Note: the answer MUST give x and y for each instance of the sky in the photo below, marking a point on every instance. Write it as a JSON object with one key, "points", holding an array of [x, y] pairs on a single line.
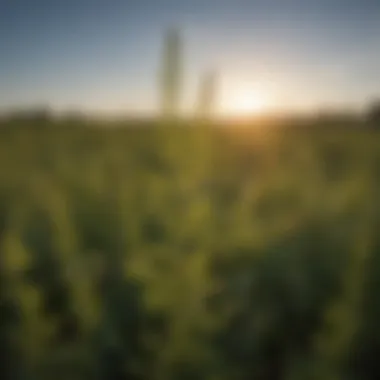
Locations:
{"points": [[104, 55]]}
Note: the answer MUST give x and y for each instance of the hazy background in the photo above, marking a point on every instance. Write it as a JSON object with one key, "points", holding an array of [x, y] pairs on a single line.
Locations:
{"points": [[103, 55]]}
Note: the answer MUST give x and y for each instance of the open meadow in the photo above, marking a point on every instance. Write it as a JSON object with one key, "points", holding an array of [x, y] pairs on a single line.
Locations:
{"points": [[189, 253]]}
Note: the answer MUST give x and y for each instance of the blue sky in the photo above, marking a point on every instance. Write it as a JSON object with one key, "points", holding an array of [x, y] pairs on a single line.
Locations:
{"points": [[104, 54]]}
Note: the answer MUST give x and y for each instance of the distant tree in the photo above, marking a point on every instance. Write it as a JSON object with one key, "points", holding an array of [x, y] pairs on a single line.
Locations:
{"points": [[373, 112], [42, 114], [36, 115], [74, 116]]}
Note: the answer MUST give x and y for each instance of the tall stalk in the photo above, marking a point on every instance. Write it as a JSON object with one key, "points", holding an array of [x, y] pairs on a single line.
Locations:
{"points": [[171, 80]]}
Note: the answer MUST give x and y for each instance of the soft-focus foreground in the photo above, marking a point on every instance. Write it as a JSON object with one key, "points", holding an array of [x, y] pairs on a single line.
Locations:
{"points": [[189, 253]]}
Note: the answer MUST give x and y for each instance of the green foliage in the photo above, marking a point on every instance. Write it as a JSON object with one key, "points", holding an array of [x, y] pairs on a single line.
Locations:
{"points": [[188, 253]]}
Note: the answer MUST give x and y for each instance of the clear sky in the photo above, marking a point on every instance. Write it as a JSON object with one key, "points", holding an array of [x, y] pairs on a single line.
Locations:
{"points": [[104, 54]]}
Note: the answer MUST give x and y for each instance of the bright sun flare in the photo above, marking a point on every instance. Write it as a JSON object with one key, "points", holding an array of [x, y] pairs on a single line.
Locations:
{"points": [[247, 102]]}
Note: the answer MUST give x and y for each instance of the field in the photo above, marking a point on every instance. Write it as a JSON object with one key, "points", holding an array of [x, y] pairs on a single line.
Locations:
{"points": [[189, 253]]}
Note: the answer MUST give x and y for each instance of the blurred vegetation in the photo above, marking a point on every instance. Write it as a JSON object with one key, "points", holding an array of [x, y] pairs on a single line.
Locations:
{"points": [[188, 253]]}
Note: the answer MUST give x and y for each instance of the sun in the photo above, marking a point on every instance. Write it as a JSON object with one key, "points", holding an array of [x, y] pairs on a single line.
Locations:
{"points": [[247, 102]]}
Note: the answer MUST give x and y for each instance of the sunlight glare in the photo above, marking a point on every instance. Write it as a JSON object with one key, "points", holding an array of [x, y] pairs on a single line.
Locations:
{"points": [[247, 102]]}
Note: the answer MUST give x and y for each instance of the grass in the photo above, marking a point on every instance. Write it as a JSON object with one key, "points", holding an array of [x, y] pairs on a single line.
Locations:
{"points": [[163, 253]]}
